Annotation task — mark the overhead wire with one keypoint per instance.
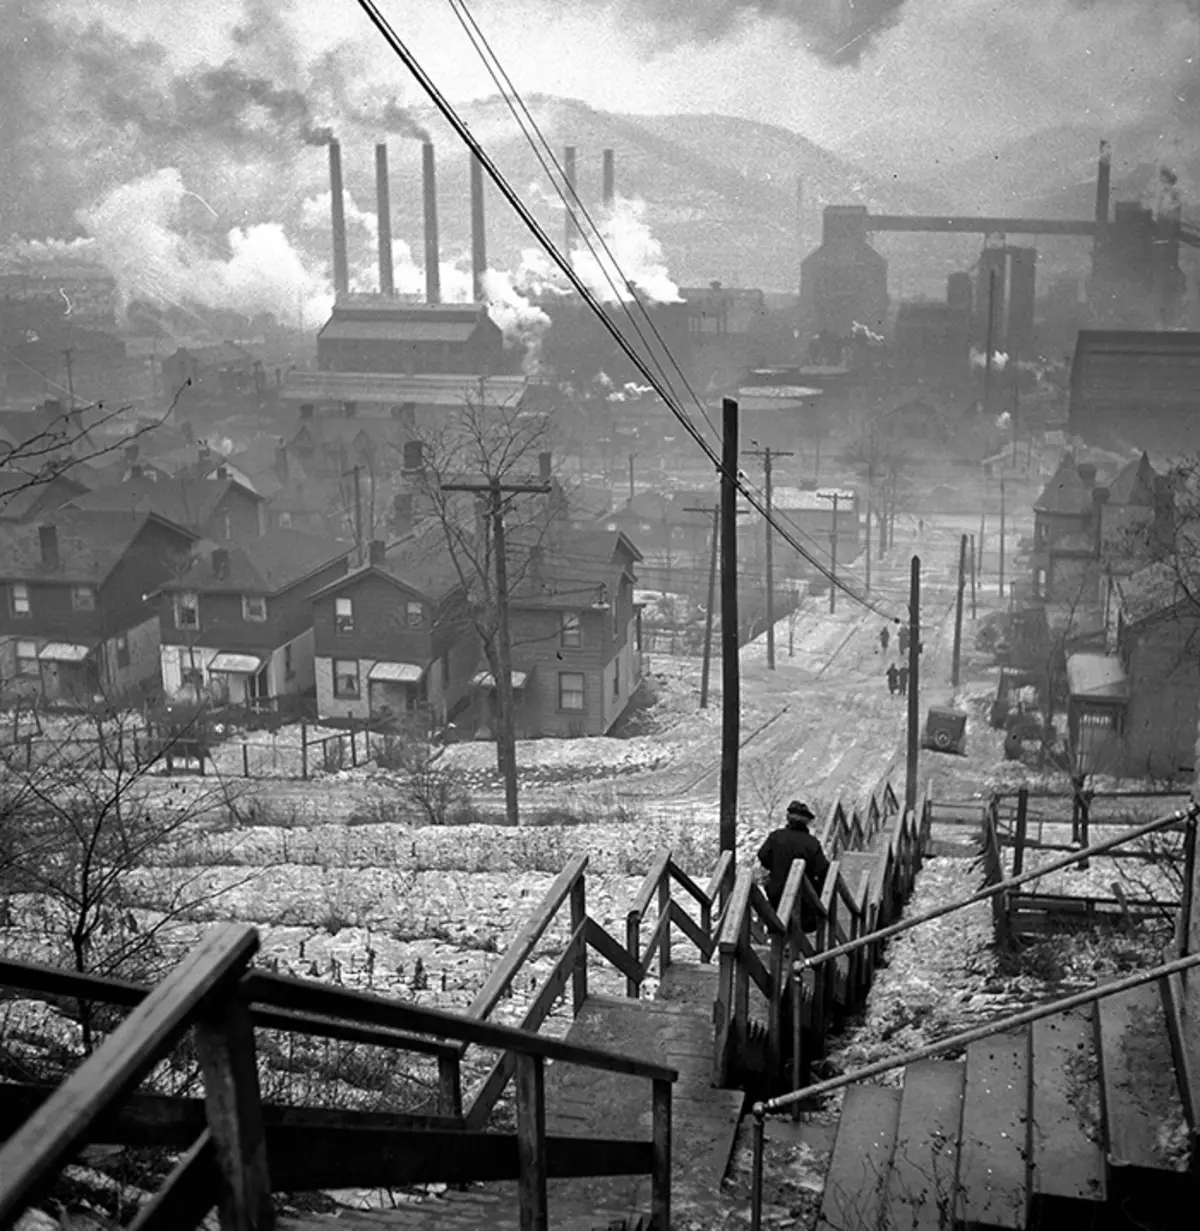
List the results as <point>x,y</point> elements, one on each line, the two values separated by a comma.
<point>447,110</point>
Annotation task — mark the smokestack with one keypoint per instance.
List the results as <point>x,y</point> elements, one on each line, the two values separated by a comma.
<point>341,275</point>
<point>610,180</point>
<point>383,207</point>
<point>433,277</point>
<point>569,175</point>
<point>1103,174</point>
<point>478,234</point>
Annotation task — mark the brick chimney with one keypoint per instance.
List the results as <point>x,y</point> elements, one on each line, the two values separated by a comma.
<point>131,452</point>
<point>414,455</point>
<point>205,453</point>
<point>48,541</point>
<point>402,512</point>
<point>306,411</point>
<point>220,562</point>
<point>378,553</point>
<point>1087,474</point>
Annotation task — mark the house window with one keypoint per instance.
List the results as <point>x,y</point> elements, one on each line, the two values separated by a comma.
<point>570,631</point>
<point>187,609</point>
<point>83,598</point>
<point>343,615</point>
<point>254,607</point>
<point>123,650</point>
<point>20,599</point>
<point>27,658</point>
<point>1039,582</point>
<point>289,667</point>
<point>414,615</point>
<point>345,677</point>
<point>570,690</point>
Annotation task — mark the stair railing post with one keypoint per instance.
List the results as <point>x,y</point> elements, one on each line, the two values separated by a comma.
<point>741,990</point>
<point>1186,903</point>
<point>775,1006</point>
<point>224,1038</point>
<point>579,979</point>
<point>633,943</point>
<point>723,1016</point>
<point>756,1179</point>
<point>660,1132</point>
<point>664,909</point>
<point>1022,829</point>
<point>450,1084</point>
<point>530,1084</point>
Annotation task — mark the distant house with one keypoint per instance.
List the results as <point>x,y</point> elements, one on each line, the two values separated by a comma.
<point>236,626</point>
<point>327,447</point>
<point>575,658</point>
<point>390,638</point>
<point>224,373</point>
<point>74,616</point>
<point>23,501</point>
<point>210,508</point>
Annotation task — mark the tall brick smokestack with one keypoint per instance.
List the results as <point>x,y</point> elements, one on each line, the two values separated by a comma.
<point>478,234</point>
<point>341,273</point>
<point>609,180</point>
<point>569,176</point>
<point>383,207</point>
<point>1103,175</point>
<point>433,277</point>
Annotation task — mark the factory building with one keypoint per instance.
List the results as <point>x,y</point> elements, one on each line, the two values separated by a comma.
<point>844,281</point>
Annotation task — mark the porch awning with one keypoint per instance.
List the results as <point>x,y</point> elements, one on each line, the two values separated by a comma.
<point>64,652</point>
<point>397,673</point>
<point>235,664</point>
<point>485,679</point>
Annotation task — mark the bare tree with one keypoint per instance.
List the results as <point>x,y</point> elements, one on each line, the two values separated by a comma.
<point>881,460</point>
<point>84,815</point>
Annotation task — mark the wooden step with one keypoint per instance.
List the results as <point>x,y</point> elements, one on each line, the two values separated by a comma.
<point>992,1182</point>
<point>862,1155</point>
<point>1067,1179</point>
<point>920,1191</point>
<point>1139,1093</point>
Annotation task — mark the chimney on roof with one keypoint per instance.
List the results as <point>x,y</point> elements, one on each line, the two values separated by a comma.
<point>383,208</point>
<point>220,563</point>
<point>281,464</point>
<point>478,233</point>
<point>306,411</point>
<point>137,471</point>
<point>205,453</point>
<point>433,276</point>
<point>131,452</point>
<point>48,542</point>
<point>1103,175</point>
<point>545,465</point>
<point>609,186</point>
<point>414,456</point>
<point>402,513</point>
<point>52,406</point>
<point>377,553</point>
<point>569,197</point>
<point>341,274</point>
<point>1087,474</point>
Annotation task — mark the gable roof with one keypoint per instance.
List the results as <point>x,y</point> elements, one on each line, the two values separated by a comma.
<point>264,565</point>
<point>396,389</point>
<point>1133,483</point>
<point>184,501</point>
<point>1066,492</point>
<point>418,561</point>
<point>89,545</point>
<point>19,498</point>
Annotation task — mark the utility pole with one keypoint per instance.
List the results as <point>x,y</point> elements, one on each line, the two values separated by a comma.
<point>870,504</point>
<point>70,378</point>
<point>714,512</point>
<point>1016,406</point>
<point>914,667</point>
<point>631,459</point>
<point>731,701</point>
<point>833,546</point>
<point>1001,537</point>
<point>987,359</point>
<point>958,610</point>
<point>355,470</point>
<point>979,557</point>
<point>767,454</point>
<point>506,739</point>
<point>974,570</point>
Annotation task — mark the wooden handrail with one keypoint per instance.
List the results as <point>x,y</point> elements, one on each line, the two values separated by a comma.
<point>719,876</point>
<point>302,996</point>
<point>50,1136</point>
<point>658,869</point>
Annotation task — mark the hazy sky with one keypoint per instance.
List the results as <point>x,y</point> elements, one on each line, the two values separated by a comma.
<point>943,77</point>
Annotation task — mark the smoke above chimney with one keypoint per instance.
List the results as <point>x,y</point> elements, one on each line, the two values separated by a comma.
<point>433,278</point>
<point>341,272</point>
<point>383,206</point>
<point>478,234</point>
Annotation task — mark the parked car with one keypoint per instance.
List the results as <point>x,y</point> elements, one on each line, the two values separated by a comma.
<point>946,730</point>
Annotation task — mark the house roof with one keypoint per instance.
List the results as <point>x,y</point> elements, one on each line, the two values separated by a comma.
<point>573,566</point>
<point>89,545</point>
<point>264,565</point>
<point>27,498</point>
<point>417,561</point>
<point>219,354</point>
<point>396,389</point>
<point>399,331</point>
<point>187,502</point>
<point>1097,677</point>
<point>1066,492</point>
<point>1133,483</point>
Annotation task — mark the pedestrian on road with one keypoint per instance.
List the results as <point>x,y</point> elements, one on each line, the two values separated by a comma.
<point>903,680</point>
<point>903,639</point>
<point>884,637</point>
<point>783,847</point>
<point>893,678</point>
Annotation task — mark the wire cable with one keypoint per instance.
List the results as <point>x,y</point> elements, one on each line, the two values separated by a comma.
<point>401,50</point>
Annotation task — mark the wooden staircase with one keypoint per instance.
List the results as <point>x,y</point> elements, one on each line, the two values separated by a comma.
<point>1077,1120</point>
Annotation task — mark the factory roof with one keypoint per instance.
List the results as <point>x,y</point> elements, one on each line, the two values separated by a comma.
<point>396,389</point>
<point>384,330</point>
<point>263,565</point>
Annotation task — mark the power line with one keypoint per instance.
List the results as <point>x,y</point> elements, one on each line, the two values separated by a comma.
<point>401,50</point>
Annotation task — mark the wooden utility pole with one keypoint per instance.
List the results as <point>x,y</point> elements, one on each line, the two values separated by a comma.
<point>979,557</point>
<point>767,454</point>
<point>731,701</point>
<point>974,570</point>
<point>713,511</point>
<point>70,378</point>
<point>1001,537</point>
<point>631,460</point>
<point>958,610</point>
<point>506,739</point>
<point>914,667</point>
<point>833,546</point>
<point>987,359</point>
<point>1016,406</point>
